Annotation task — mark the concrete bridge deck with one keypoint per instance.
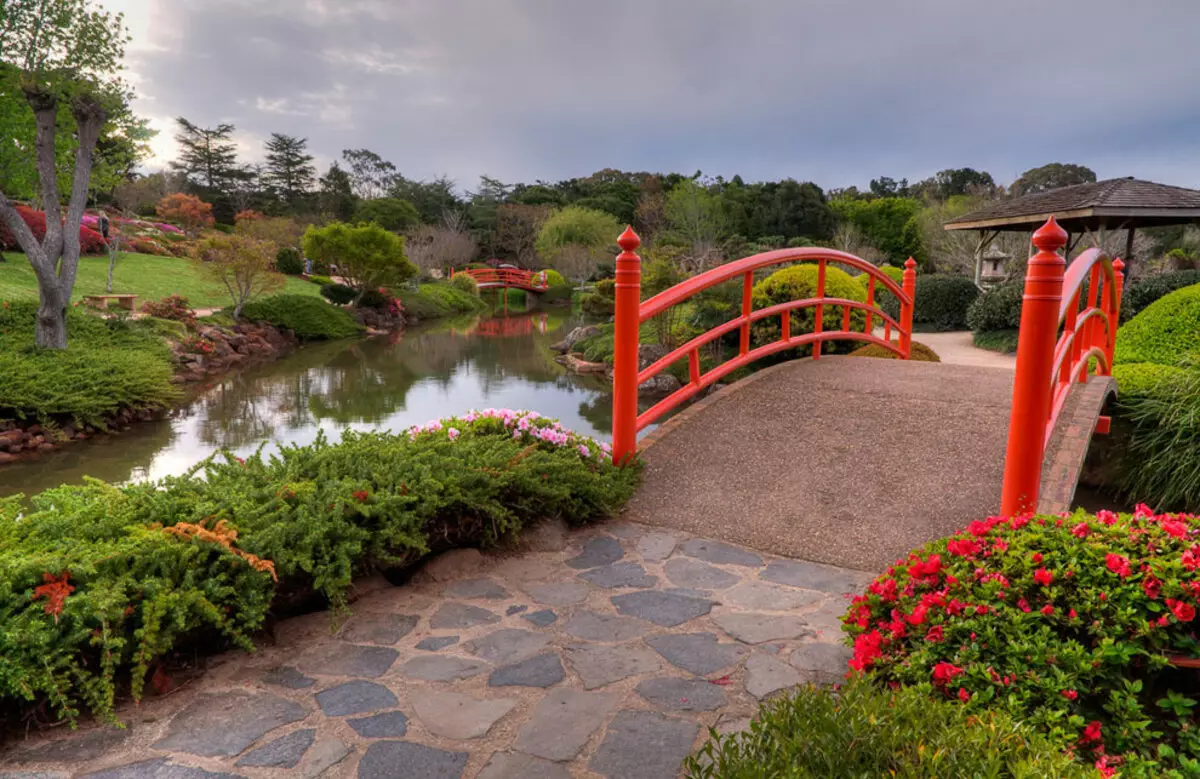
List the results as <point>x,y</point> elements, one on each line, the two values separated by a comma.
<point>847,461</point>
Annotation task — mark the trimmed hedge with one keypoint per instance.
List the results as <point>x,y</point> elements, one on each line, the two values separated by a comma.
<point>1063,623</point>
<point>338,294</point>
<point>799,282</point>
<point>999,308</point>
<point>942,302</point>
<point>109,365</point>
<point>289,261</point>
<point>1167,332</point>
<point>97,583</point>
<point>1144,291</point>
<point>464,283</point>
<point>860,732</point>
<point>438,299</point>
<point>555,279</point>
<point>309,318</point>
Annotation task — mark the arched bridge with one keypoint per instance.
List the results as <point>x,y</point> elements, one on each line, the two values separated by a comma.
<point>854,461</point>
<point>512,278</point>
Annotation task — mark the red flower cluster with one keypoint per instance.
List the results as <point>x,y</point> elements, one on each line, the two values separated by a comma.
<point>55,591</point>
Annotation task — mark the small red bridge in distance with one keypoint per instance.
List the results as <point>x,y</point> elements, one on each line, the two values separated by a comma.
<point>853,461</point>
<point>510,278</point>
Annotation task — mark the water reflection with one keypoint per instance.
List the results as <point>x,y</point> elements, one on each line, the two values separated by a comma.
<point>388,383</point>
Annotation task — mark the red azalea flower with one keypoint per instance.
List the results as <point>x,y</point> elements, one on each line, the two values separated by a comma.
<point>1037,558</point>
<point>963,547</point>
<point>1091,732</point>
<point>1070,694</point>
<point>918,614</point>
<point>978,528</point>
<point>867,648</point>
<point>1072,614</point>
<point>981,610</point>
<point>1048,609</point>
<point>944,672</point>
<point>1142,511</point>
<point>1023,605</point>
<point>1104,768</point>
<point>1106,517</point>
<point>1152,587</point>
<point>1043,577</point>
<point>1174,528</point>
<point>963,695</point>
<point>935,634</point>
<point>1184,612</point>
<point>1191,558</point>
<point>1081,530</point>
<point>1000,545</point>
<point>1163,621</point>
<point>1118,564</point>
<point>361,496</point>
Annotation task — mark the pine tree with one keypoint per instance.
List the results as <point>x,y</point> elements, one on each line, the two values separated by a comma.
<point>207,157</point>
<point>290,171</point>
<point>337,195</point>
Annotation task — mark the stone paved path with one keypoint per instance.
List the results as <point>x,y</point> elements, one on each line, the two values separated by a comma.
<point>603,653</point>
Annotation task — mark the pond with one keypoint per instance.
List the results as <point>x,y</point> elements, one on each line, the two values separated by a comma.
<point>433,370</point>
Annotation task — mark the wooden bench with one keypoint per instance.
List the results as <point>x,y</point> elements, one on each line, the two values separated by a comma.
<point>102,301</point>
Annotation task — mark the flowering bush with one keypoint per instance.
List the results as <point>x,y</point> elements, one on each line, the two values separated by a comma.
<point>525,426</point>
<point>1063,622</point>
<point>90,241</point>
<point>173,307</point>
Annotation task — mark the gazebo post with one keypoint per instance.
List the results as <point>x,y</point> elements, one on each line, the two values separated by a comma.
<point>1128,258</point>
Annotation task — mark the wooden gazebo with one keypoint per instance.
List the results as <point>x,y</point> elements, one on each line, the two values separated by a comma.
<point>1082,210</point>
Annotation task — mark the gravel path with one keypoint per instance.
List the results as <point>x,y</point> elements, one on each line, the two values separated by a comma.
<point>608,653</point>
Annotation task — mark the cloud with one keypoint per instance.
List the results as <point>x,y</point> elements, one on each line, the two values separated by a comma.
<point>836,93</point>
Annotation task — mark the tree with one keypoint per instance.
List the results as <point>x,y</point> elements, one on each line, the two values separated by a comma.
<point>431,198</point>
<point>390,213</point>
<point>66,52</point>
<point>1051,176</point>
<point>889,187</point>
<point>337,195</point>
<point>140,194</point>
<point>243,265</point>
<point>574,240</point>
<point>366,256</point>
<point>189,211</point>
<point>290,172</point>
<point>791,209</point>
<point>696,215</point>
<point>955,182</point>
<point>484,203</point>
<point>113,237</point>
<point>371,176</point>
<point>517,228</point>
<point>207,156</point>
<point>442,246</point>
<point>279,231</point>
<point>889,224</point>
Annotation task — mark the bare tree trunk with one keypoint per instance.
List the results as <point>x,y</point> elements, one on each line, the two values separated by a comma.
<point>51,328</point>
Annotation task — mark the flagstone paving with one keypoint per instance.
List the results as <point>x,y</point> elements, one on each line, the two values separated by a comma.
<point>611,657</point>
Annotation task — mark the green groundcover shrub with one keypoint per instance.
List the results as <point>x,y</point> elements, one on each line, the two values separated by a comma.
<point>1167,332</point>
<point>1002,341</point>
<point>595,304</point>
<point>1159,408</point>
<point>1064,623</point>
<point>464,283</point>
<point>860,732</point>
<point>308,317</point>
<point>109,365</point>
<point>438,299</point>
<point>942,302</point>
<point>338,294</point>
<point>999,308</point>
<point>1144,291</point>
<point>288,260</point>
<point>799,282</point>
<point>99,582</point>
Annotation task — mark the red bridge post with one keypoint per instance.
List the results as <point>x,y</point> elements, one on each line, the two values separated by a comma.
<point>906,312</point>
<point>625,347</point>
<point>1033,386</point>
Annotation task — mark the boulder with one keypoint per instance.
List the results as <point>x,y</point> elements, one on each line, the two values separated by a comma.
<point>662,384</point>
<point>11,438</point>
<point>6,458</point>
<point>574,362</point>
<point>574,337</point>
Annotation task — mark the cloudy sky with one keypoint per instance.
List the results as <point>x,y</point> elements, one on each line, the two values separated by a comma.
<point>833,91</point>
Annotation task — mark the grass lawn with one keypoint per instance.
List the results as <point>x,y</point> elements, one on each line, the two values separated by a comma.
<point>144,275</point>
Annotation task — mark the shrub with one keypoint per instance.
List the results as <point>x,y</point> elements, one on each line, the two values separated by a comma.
<point>98,582</point>
<point>90,241</point>
<point>554,278</point>
<point>1142,292</point>
<point>188,210</point>
<point>942,302</point>
<point>142,245</point>
<point>172,307</point>
<point>439,299</point>
<point>339,294</point>
<point>998,308</point>
<point>605,288</point>
<point>595,304</point>
<point>1166,332</point>
<point>320,281</point>
<point>366,255</point>
<point>375,298</point>
<point>859,731</point>
<point>797,283</point>
<point>464,283</point>
<point>109,365</point>
<point>242,265</point>
<point>1060,622</point>
<point>308,317</point>
<point>919,352</point>
<point>1161,454</point>
<point>289,261</point>
<point>891,271</point>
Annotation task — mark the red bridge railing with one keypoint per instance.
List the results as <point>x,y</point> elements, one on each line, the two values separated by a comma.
<point>631,312</point>
<point>1059,343</point>
<point>507,277</point>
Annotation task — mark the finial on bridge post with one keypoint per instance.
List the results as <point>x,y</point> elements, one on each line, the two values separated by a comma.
<point>1032,385</point>
<point>626,321</point>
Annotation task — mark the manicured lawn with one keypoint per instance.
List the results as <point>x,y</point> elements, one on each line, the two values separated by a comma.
<point>147,276</point>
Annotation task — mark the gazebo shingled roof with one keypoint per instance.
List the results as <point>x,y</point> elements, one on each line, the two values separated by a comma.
<point>1115,204</point>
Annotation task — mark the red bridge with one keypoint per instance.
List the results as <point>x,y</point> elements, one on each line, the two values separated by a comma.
<point>854,461</point>
<point>514,278</point>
